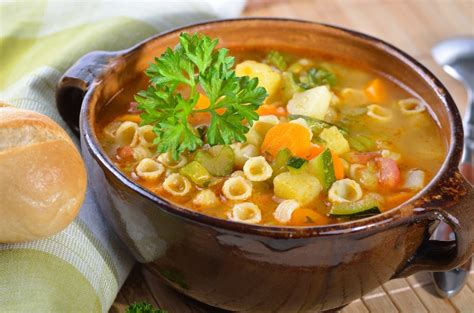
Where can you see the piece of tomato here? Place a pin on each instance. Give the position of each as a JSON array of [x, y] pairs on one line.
[[389, 173]]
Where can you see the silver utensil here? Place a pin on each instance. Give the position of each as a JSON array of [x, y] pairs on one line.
[[456, 56]]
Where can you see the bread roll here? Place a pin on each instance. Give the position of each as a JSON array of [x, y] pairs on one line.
[[42, 176]]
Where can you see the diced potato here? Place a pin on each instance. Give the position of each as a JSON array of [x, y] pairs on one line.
[[206, 199], [335, 140], [301, 187], [267, 77], [313, 102]]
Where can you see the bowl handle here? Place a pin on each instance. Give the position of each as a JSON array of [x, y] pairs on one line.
[[455, 206], [73, 85]]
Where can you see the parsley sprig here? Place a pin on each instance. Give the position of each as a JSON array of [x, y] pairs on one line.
[[197, 65]]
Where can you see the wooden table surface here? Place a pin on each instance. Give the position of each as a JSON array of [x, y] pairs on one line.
[[412, 25]]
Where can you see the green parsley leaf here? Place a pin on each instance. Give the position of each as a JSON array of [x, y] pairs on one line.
[[277, 60], [195, 65], [296, 162], [143, 307], [316, 77]]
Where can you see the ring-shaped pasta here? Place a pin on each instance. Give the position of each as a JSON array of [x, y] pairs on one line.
[[246, 212], [345, 190], [237, 174], [242, 152], [140, 153], [110, 129], [379, 113], [285, 209], [169, 162], [354, 170], [257, 169], [146, 135], [237, 188], [149, 170], [206, 199], [127, 134], [411, 106], [177, 185]]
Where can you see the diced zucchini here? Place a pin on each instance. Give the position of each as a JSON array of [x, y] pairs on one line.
[[279, 164], [197, 173], [296, 162], [323, 168], [335, 140], [367, 206], [219, 160]]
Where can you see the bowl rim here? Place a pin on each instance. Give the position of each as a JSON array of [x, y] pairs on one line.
[[451, 160]]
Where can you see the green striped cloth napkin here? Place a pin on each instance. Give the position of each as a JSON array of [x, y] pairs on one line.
[[82, 268]]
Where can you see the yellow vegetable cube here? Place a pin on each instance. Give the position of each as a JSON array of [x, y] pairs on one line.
[[267, 77], [313, 102], [335, 140], [301, 187]]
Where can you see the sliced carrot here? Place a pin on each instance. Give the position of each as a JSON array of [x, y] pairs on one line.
[[307, 217], [292, 136], [268, 109], [129, 117], [338, 166], [375, 91], [314, 151], [201, 118], [397, 199], [202, 103]]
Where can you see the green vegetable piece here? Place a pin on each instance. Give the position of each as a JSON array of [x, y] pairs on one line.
[[143, 307], [219, 160], [367, 206], [276, 59], [279, 164], [316, 77], [197, 173], [296, 162], [289, 86], [317, 126], [198, 66], [323, 168], [361, 143]]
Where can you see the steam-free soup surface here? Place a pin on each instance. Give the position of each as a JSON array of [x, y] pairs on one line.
[[333, 143]]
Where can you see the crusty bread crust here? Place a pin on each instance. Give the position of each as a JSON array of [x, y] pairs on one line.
[[42, 176]]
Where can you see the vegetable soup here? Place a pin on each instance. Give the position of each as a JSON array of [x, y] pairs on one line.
[[273, 138]]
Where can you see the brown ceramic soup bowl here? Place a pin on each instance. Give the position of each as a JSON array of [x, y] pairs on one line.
[[243, 267]]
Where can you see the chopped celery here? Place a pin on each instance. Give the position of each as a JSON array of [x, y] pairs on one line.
[[276, 59], [361, 143], [219, 160], [367, 206], [197, 173], [289, 86], [280, 162], [323, 168], [296, 162]]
